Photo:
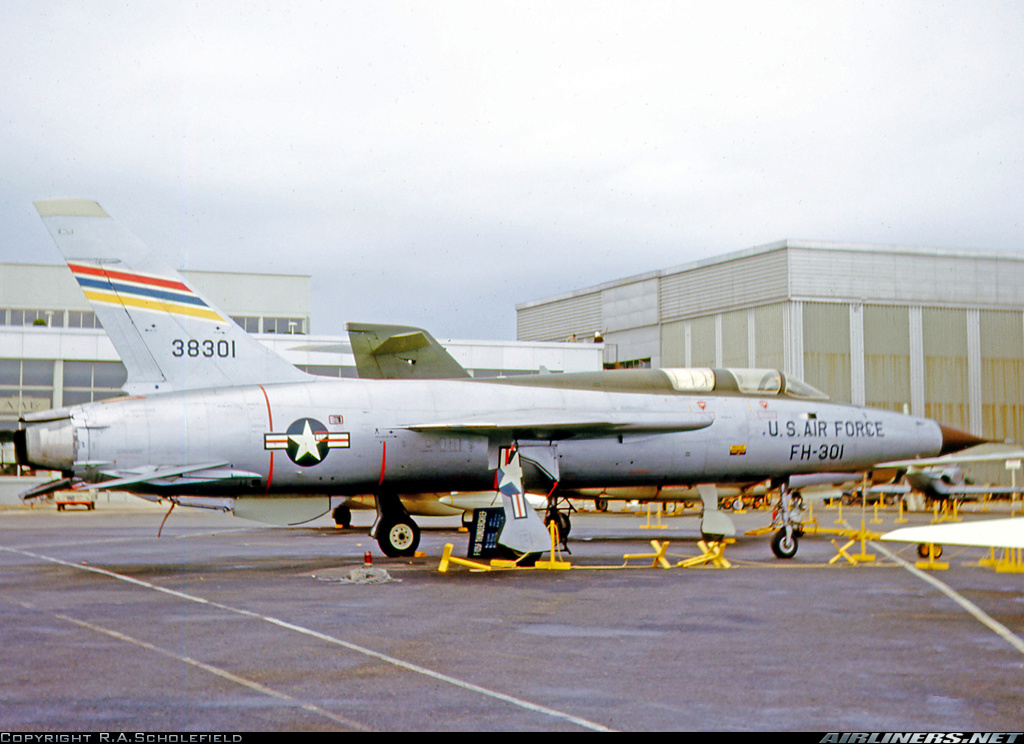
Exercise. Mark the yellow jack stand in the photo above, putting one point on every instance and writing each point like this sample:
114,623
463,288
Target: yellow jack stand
658,555
556,563
711,552
863,556
900,519
650,526
931,564
839,517
1010,562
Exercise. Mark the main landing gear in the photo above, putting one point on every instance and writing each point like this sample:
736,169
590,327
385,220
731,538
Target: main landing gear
395,531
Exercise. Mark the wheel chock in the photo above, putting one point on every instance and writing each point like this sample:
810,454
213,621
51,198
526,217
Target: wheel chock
447,558
842,553
711,552
658,555
856,558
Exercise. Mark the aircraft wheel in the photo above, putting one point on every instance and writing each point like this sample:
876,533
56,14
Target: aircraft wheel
342,516
601,505
564,525
922,550
399,538
782,545
737,505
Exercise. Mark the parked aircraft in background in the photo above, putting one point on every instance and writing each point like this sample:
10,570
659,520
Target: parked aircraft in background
942,478
213,414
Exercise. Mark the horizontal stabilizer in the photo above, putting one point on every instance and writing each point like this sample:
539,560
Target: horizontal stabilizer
49,487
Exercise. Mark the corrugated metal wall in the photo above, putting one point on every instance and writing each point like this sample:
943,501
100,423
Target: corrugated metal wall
743,282
944,334
702,340
886,357
769,335
673,344
827,348
1002,375
557,320
734,339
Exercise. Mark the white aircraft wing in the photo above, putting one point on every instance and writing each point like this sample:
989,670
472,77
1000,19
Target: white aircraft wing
994,533
924,462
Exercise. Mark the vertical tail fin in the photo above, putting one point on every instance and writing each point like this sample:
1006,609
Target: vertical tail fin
390,352
167,334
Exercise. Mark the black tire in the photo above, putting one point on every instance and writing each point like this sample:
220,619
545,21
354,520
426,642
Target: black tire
922,550
782,546
601,505
398,538
342,516
563,522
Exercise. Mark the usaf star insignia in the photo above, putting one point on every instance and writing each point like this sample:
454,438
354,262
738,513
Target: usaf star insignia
306,442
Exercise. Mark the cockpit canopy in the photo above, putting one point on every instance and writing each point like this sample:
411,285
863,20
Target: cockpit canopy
762,382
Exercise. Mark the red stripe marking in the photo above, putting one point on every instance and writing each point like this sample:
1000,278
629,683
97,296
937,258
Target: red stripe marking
383,461
123,276
270,425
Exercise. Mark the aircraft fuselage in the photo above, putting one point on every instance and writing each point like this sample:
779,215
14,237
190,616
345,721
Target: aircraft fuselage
354,437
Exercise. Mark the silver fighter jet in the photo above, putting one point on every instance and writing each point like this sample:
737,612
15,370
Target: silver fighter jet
212,413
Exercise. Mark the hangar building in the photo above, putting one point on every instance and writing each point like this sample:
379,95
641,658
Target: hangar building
939,333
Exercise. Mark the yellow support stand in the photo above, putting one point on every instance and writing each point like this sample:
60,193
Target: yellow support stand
877,519
658,555
839,518
900,519
1010,562
856,558
931,564
556,563
650,526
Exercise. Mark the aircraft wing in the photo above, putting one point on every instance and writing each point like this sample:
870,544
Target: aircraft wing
561,424
979,490
994,533
170,477
390,352
925,462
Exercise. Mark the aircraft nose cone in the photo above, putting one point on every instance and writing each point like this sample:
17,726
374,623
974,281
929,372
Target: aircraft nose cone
954,440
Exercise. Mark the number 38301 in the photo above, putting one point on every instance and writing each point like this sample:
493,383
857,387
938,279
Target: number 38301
207,347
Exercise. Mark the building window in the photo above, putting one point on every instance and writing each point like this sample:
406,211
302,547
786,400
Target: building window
249,323
48,318
83,319
86,382
284,325
26,386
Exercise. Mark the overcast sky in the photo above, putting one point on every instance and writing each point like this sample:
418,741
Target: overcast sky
435,163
